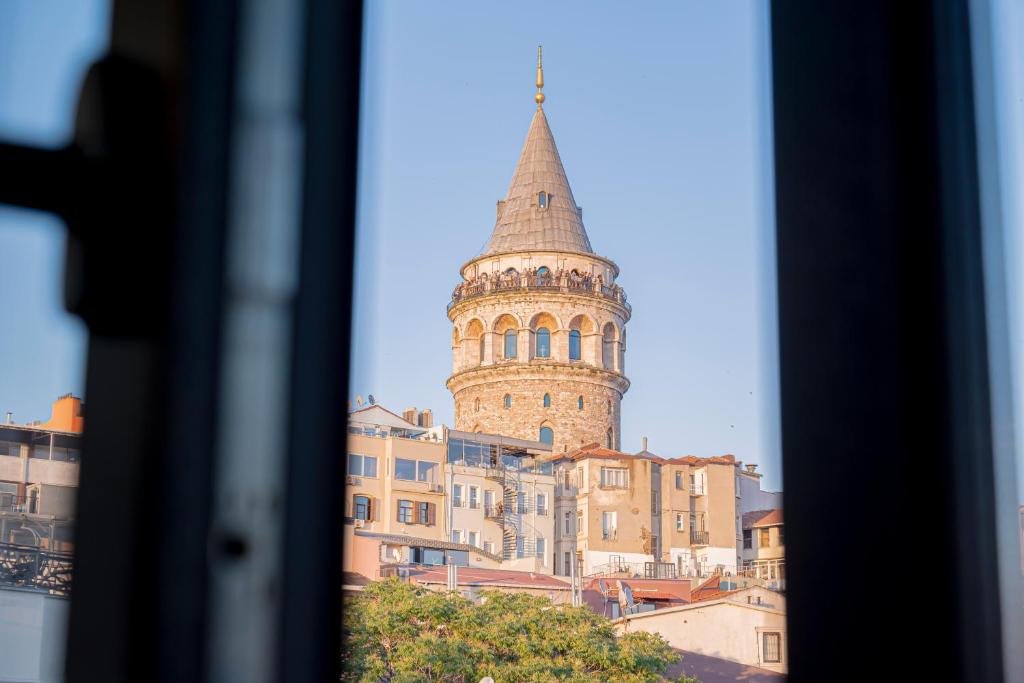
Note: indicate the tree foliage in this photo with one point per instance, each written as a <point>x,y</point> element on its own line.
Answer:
<point>400,633</point>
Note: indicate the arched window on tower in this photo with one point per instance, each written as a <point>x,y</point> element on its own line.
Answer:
<point>476,405</point>
<point>574,345</point>
<point>543,276</point>
<point>543,343</point>
<point>547,400</point>
<point>611,438</point>
<point>542,200</point>
<point>579,403</point>
<point>508,400</point>
<point>481,349</point>
<point>547,435</point>
<point>511,337</point>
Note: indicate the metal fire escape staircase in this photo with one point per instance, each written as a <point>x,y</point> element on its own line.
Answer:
<point>514,528</point>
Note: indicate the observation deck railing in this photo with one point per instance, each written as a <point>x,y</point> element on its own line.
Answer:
<point>550,283</point>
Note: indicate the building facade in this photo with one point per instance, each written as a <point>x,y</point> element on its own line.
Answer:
<point>641,514</point>
<point>538,319</point>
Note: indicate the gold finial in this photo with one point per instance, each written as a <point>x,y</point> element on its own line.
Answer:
<point>540,79</point>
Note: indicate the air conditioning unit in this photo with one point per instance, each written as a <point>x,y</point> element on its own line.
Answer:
<point>360,523</point>
<point>352,481</point>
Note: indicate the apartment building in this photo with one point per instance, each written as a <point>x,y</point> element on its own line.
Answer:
<point>645,514</point>
<point>764,546</point>
<point>425,495</point>
<point>39,467</point>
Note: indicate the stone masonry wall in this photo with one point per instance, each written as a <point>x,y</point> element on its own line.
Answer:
<point>481,407</point>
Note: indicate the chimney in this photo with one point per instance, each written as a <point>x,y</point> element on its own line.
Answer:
<point>427,419</point>
<point>752,468</point>
<point>409,415</point>
<point>10,418</point>
<point>645,444</point>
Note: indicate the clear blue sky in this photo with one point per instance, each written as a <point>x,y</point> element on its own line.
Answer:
<point>661,115</point>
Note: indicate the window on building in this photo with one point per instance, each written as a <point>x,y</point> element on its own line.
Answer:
<point>655,502</point>
<point>362,508</point>
<point>547,400</point>
<point>520,547</point>
<point>362,465</point>
<point>543,275</point>
<point>507,400</point>
<point>489,547</point>
<point>680,522</point>
<point>782,538</point>
<point>608,407</point>
<point>542,200</point>
<point>540,548</point>
<point>474,497</point>
<point>476,405</point>
<point>679,480</point>
<point>405,511</point>
<point>405,469</point>
<point>425,513</point>
<point>609,524</point>
<point>568,524</point>
<point>547,435</point>
<point>481,349</point>
<point>611,438</point>
<point>542,504</point>
<point>543,343</point>
<point>568,564</point>
<point>456,536</point>
<point>426,471</point>
<point>521,506</point>
<point>579,522</point>
<point>511,339</point>
<point>488,500</point>
<point>772,647</point>
<point>579,403</point>
<point>748,539</point>
<point>473,538</point>
<point>764,539</point>
<point>615,477</point>
<point>574,345</point>
<point>457,495</point>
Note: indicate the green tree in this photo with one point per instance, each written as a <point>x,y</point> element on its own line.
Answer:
<point>400,633</point>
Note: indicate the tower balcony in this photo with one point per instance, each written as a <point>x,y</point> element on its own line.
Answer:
<point>565,283</point>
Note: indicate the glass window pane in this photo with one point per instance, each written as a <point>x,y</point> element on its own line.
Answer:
<point>405,469</point>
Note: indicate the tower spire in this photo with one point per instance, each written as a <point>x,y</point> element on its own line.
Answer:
<point>540,79</point>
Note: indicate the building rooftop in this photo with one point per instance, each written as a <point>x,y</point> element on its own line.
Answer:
<point>762,518</point>
<point>527,222</point>
<point>485,578</point>
<point>596,451</point>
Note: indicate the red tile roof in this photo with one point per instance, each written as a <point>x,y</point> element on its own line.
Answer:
<point>482,578</point>
<point>762,518</point>
<point>596,451</point>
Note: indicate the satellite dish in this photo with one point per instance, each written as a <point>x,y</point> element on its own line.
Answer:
<point>359,400</point>
<point>373,401</point>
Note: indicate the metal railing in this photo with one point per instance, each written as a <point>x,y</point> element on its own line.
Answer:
<point>28,566</point>
<point>696,489</point>
<point>540,283</point>
<point>699,537</point>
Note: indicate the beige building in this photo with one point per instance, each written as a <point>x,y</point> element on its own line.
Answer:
<point>538,319</point>
<point>644,514</point>
<point>764,547</point>
<point>746,626</point>
<point>427,496</point>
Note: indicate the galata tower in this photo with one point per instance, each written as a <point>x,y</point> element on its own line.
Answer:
<point>539,322</point>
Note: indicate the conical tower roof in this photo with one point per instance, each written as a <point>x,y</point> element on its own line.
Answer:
<point>528,222</point>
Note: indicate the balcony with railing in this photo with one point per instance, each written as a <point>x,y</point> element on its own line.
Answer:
<point>566,283</point>
<point>699,537</point>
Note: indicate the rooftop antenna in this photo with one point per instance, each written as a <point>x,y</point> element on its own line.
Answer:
<point>539,97</point>
<point>359,400</point>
